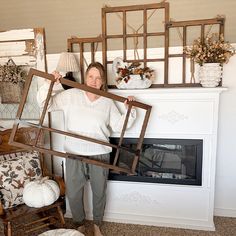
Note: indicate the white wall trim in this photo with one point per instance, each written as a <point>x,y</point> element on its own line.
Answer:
<point>225,212</point>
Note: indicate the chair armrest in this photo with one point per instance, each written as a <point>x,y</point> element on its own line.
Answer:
<point>1,209</point>
<point>60,181</point>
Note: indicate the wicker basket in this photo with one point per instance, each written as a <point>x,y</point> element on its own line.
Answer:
<point>10,93</point>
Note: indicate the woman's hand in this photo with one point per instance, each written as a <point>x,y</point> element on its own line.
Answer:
<point>57,77</point>
<point>129,99</point>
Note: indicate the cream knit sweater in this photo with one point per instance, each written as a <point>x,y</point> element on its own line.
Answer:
<point>92,119</point>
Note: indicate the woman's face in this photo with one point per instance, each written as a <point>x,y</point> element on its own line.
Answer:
<point>94,79</point>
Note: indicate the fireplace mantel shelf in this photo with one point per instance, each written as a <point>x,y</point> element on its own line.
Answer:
<point>169,90</point>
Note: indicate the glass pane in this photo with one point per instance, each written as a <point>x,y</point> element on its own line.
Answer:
<point>155,47</point>
<point>134,22</point>
<point>155,20</point>
<point>114,19</point>
<point>134,48</point>
<point>166,161</point>
<point>175,38</point>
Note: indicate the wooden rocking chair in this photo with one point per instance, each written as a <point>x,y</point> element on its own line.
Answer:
<point>49,215</point>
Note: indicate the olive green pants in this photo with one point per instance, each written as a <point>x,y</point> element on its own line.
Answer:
<point>77,174</point>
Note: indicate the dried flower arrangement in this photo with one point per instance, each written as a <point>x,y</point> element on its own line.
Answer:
<point>213,49</point>
<point>125,74</point>
<point>10,72</point>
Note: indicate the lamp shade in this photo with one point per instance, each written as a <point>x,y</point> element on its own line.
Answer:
<point>67,63</point>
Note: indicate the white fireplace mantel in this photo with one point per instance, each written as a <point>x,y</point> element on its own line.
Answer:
<point>181,113</point>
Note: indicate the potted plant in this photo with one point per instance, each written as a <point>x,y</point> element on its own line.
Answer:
<point>210,53</point>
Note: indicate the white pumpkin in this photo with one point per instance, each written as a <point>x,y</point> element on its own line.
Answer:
<point>62,232</point>
<point>40,193</point>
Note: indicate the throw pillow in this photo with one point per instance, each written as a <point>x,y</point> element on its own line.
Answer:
<point>15,173</point>
<point>32,165</point>
<point>11,182</point>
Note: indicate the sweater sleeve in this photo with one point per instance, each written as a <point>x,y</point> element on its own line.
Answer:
<point>57,101</point>
<point>117,119</point>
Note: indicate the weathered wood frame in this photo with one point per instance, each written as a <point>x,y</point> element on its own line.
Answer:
<point>81,42</point>
<point>184,25</point>
<point>32,55</point>
<point>42,128</point>
<point>145,34</point>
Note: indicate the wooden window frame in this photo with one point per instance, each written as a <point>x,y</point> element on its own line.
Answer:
<point>145,34</point>
<point>41,128</point>
<point>71,42</point>
<point>184,25</point>
<point>31,55</point>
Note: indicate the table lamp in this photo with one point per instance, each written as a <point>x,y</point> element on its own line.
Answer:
<point>67,63</point>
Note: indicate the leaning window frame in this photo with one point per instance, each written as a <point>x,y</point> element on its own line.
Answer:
<point>41,127</point>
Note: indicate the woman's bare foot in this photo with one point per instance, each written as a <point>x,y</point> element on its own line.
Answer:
<point>97,231</point>
<point>81,229</point>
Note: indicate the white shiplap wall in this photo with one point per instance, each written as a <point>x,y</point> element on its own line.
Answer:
<point>26,48</point>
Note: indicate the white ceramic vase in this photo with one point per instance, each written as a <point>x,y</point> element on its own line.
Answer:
<point>210,74</point>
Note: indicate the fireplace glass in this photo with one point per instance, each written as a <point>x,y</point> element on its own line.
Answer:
<point>170,161</point>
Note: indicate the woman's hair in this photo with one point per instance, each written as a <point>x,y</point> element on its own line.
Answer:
<point>101,70</point>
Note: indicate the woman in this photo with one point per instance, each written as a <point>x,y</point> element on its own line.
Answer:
<point>93,116</point>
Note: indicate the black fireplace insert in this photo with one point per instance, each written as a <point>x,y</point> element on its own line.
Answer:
<point>169,161</point>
